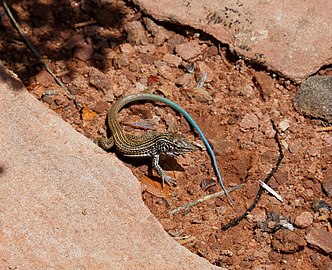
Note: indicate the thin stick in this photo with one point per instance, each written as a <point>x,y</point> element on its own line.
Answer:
<point>208,197</point>
<point>269,189</point>
<point>35,52</point>
<point>82,24</point>
<point>324,129</point>
<point>261,189</point>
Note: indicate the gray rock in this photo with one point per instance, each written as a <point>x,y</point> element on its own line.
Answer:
<point>314,98</point>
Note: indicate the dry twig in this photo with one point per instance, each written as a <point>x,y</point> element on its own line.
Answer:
<point>208,197</point>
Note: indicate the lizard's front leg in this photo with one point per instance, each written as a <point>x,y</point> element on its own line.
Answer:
<point>165,178</point>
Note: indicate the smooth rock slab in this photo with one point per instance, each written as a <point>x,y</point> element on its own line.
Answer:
<point>293,38</point>
<point>67,204</point>
<point>314,98</point>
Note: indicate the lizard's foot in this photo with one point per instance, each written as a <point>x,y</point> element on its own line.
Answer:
<point>169,180</point>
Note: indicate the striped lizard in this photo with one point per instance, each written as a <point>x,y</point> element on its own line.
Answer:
<point>152,144</point>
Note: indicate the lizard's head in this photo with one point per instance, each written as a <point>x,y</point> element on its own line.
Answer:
<point>173,144</point>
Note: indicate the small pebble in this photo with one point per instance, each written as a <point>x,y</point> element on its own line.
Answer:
<point>120,61</point>
<point>264,83</point>
<point>101,106</point>
<point>247,91</point>
<point>84,51</point>
<point>73,42</point>
<point>44,78</point>
<point>127,48</point>
<point>284,125</point>
<point>287,241</point>
<point>99,80</point>
<point>136,33</point>
<point>168,224</point>
<point>183,80</point>
<point>189,50</point>
<point>304,220</point>
<point>172,60</point>
<point>250,120</point>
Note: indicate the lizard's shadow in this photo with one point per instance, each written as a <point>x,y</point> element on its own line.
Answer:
<point>168,163</point>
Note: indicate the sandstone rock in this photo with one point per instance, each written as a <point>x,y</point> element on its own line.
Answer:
<point>320,239</point>
<point>101,107</point>
<point>183,80</point>
<point>204,68</point>
<point>172,59</point>
<point>44,78</point>
<point>293,39</point>
<point>67,204</point>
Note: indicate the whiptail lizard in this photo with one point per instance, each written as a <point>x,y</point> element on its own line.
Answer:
<point>152,144</point>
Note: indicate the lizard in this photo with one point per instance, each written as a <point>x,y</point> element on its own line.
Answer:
<point>153,144</point>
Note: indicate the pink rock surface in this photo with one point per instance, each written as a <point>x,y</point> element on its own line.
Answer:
<point>65,203</point>
<point>293,38</point>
